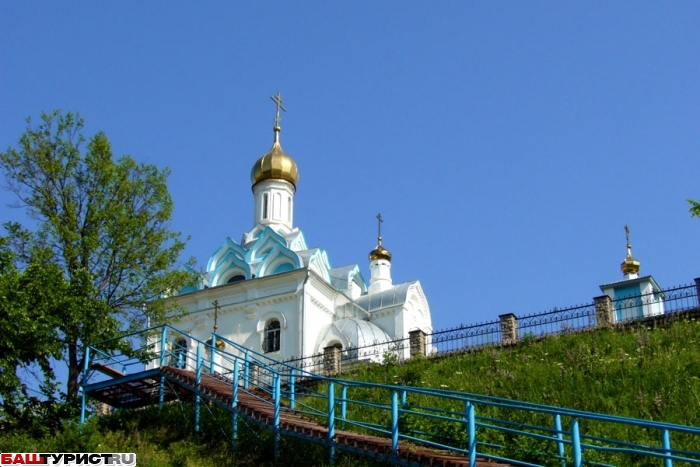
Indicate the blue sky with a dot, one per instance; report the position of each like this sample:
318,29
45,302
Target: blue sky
506,144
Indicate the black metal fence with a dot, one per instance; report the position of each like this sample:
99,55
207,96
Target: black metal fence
669,301
557,321
463,337
511,328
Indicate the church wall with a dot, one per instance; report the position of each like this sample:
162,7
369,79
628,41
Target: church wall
319,310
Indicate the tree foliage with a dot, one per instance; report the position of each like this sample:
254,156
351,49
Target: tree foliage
101,250
694,208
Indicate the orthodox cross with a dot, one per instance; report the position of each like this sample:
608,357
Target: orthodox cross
379,227
216,314
278,100
627,232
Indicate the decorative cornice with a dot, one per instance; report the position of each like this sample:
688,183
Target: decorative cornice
320,306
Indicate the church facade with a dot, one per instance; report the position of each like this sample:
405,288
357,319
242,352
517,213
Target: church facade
275,295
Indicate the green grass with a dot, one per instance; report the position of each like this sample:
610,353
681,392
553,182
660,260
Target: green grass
653,374
166,438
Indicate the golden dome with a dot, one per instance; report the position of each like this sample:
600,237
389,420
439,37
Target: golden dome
629,265
221,345
275,164
379,252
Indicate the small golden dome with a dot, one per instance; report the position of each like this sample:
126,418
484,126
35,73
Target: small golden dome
221,345
629,265
379,252
275,164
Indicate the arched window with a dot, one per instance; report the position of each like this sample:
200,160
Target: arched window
289,209
236,278
264,206
271,336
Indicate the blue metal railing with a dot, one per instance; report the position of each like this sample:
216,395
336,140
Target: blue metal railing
463,423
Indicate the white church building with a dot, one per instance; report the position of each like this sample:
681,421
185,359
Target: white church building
275,295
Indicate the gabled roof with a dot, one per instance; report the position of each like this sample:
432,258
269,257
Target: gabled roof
342,276
638,280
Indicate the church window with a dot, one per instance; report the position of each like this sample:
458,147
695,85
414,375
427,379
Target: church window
277,207
236,278
289,209
264,206
271,336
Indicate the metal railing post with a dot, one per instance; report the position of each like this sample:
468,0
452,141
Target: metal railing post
163,342
234,405
213,352
471,436
666,446
198,380
246,370
403,398
276,417
292,396
576,444
331,422
161,386
560,439
83,404
394,423
343,405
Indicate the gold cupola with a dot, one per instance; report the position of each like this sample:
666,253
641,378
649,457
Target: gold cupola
379,252
275,164
629,265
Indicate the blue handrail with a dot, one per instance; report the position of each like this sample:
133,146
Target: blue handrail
401,413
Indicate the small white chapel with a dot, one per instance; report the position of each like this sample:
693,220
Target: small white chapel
273,294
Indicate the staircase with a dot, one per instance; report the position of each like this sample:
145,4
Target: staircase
257,406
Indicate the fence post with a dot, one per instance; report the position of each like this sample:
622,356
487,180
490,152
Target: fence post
331,421
86,365
234,404
276,416
666,445
697,287
198,380
471,435
509,328
212,352
576,444
343,405
603,310
560,439
416,340
292,397
246,371
331,360
394,423
161,388
162,346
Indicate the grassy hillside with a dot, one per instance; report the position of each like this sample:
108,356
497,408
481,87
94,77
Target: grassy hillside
166,439
644,373
652,374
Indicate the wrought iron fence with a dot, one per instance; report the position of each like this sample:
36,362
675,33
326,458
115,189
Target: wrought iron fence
669,301
463,337
557,321
394,350
311,363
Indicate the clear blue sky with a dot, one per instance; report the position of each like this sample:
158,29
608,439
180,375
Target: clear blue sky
506,144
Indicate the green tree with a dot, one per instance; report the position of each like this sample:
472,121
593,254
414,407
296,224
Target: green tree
102,237
694,208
